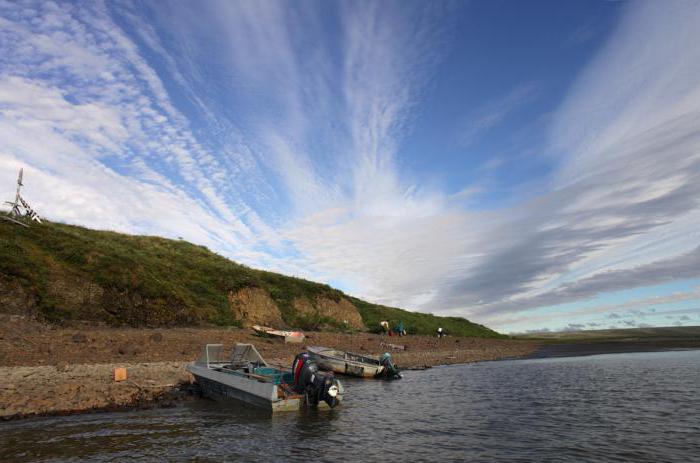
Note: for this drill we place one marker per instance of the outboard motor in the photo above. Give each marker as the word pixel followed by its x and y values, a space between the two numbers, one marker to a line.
pixel 391 371
pixel 315 386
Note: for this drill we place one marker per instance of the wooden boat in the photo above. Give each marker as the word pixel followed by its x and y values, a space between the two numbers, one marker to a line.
pixel 348 363
pixel 246 377
pixel 296 337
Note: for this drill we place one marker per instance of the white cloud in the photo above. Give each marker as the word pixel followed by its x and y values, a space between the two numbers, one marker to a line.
pixel 95 127
pixel 495 112
pixel 637 307
pixel 302 171
pixel 624 198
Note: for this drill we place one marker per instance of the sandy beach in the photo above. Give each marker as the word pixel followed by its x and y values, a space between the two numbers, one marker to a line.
pixel 59 370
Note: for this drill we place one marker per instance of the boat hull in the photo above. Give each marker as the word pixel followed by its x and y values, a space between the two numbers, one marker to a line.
pixel 222 386
pixel 346 366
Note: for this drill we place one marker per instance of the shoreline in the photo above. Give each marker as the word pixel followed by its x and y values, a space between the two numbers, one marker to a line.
pixel 599 347
pixel 49 370
pixel 46 390
pixel 88 388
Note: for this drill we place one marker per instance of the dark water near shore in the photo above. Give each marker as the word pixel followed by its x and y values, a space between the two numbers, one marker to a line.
pixel 621 407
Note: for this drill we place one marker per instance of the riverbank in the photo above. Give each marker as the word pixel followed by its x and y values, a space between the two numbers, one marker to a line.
pixel 67 389
pixel 581 349
pixel 59 370
pixel 614 341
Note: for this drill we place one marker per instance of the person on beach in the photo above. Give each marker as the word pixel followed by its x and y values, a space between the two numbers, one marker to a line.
pixel 399 329
pixel 384 325
pixel 440 333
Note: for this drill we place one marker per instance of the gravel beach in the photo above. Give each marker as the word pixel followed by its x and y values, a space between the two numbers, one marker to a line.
pixel 59 370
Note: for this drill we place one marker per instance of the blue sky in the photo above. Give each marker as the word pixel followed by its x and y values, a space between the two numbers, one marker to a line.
pixel 527 165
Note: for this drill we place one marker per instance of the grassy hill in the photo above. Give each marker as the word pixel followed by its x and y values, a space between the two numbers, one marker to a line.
pixel 61 272
pixel 420 323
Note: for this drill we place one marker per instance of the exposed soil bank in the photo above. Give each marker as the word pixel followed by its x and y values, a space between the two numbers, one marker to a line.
pixel 52 370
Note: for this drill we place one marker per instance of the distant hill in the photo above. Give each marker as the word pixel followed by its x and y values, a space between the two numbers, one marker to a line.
pixel 60 272
pixel 667 333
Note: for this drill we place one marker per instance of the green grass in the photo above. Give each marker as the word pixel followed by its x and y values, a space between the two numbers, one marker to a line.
pixel 420 323
pixel 153 281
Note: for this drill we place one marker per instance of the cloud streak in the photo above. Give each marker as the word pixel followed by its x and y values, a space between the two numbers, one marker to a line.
pixel 493 113
pixel 88 115
pixel 286 150
pixel 626 191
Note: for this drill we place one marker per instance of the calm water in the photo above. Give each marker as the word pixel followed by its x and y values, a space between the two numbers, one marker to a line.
pixel 619 407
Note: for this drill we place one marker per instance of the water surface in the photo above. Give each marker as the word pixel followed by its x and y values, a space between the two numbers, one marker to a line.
pixel 620 407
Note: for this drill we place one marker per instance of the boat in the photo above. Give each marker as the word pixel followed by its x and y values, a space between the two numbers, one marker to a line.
pixel 247 377
pixel 351 364
pixel 296 337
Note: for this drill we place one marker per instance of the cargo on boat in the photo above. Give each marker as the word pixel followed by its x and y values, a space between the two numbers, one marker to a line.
pixel 348 363
pixel 248 378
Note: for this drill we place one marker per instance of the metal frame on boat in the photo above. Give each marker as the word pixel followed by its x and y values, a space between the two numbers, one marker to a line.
pixel 248 378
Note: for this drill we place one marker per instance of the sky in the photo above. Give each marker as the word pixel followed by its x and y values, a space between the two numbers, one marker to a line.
pixel 526 165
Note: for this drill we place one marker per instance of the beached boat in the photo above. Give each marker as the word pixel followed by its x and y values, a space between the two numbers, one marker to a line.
pixel 248 378
pixel 348 363
pixel 288 336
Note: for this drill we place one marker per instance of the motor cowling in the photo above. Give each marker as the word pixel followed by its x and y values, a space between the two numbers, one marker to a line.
pixel 314 385
pixel 390 371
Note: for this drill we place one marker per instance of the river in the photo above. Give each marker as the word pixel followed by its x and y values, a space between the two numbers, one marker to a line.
pixel 633 407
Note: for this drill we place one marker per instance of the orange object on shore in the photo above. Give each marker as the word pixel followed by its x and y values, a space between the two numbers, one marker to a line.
pixel 119 374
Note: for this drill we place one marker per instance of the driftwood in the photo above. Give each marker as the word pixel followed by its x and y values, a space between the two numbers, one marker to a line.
pixel 392 346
